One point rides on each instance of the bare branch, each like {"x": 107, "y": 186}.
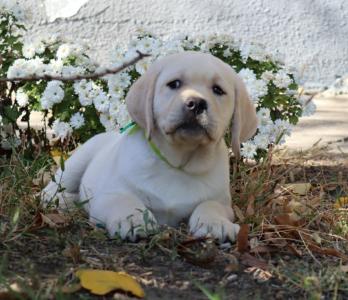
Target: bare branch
{"x": 102, "y": 73}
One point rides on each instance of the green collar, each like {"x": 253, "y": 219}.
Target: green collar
{"x": 133, "y": 128}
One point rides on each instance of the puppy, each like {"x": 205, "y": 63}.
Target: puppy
{"x": 175, "y": 165}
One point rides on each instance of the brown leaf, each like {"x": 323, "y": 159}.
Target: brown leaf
{"x": 242, "y": 238}
{"x": 286, "y": 219}
{"x": 73, "y": 252}
{"x": 232, "y": 268}
{"x": 344, "y": 268}
{"x": 327, "y": 251}
{"x": 250, "y": 211}
{"x": 262, "y": 249}
{"x": 238, "y": 213}
{"x": 259, "y": 274}
{"x": 298, "y": 188}
{"x": 198, "y": 251}
{"x": 54, "y": 220}
{"x": 294, "y": 250}
{"x": 251, "y": 261}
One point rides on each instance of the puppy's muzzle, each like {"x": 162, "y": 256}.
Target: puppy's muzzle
{"x": 194, "y": 118}
{"x": 195, "y": 106}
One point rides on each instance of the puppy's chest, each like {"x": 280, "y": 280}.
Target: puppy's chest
{"x": 172, "y": 195}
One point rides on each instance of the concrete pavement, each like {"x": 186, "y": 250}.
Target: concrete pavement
{"x": 328, "y": 124}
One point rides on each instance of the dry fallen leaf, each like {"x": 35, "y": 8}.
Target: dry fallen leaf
{"x": 54, "y": 220}
{"x": 344, "y": 268}
{"x": 238, "y": 213}
{"x": 251, "y": 261}
{"x": 250, "y": 211}
{"x": 298, "y": 188}
{"x": 101, "y": 282}
{"x": 198, "y": 251}
{"x": 327, "y": 251}
{"x": 57, "y": 156}
{"x": 73, "y": 252}
{"x": 259, "y": 274}
{"x": 242, "y": 238}
{"x": 341, "y": 202}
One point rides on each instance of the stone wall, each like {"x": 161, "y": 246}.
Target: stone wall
{"x": 311, "y": 34}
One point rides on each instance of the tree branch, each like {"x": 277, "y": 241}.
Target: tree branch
{"x": 102, "y": 73}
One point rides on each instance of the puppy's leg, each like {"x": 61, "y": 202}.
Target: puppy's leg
{"x": 65, "y": 186}
{"x": 213, "y": 218}
{"x": 122, "y": 214}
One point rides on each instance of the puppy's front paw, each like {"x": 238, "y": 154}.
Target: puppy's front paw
{"x": 134, "y": 226}
{"x": 218, "y": 228}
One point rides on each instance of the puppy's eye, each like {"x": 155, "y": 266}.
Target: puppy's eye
{"x": 218, "y": 90}
{"x": 175, "y": 84}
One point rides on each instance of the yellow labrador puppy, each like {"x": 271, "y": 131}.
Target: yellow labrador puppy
{"x": 176, "y": 165}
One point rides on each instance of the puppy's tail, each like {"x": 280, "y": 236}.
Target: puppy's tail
{"x": 66, "y": 183}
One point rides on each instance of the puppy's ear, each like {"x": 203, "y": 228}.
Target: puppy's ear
{"x": 140, "y": 98}
{"x": 244, "y": 119}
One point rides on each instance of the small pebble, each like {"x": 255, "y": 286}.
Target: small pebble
{"x": 232, "y": 277}
{"x": 225, "y": 246}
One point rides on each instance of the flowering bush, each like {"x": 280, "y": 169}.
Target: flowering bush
{"x": 78, "y": 110}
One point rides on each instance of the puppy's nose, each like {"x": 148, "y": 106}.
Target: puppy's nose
{"x": 196, "y": 105}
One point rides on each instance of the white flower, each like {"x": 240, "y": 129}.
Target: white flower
{"x": 102, "y": 102}
{"x": 254, "y": 51}
{"x": 61, "y": 129}
{"x": 64, "y": 51}
{"x": 22, "y": 98}
{"x": 261, "y": 140}
{"x": 256, "y": 88}
{"x": 86, "y": 91}
{"x": 247, "y": 75}
{"x": 72, "y": 70}
{"x": 77, "y": 120}
{"x": 53, "y": 94}
{"x": 171, "y": 47}
{"x": 264, "y": 115}
{"x": 119, "y": 112}
{"x": 117, "y": 57}
{"x": 35, "y": 66}
{"x": 267, "y": 76}
{"x": 39, "y": 47}
{"x": 148, "y": 45}
{"x": 108, "y": 122}
{"x": 28, "y": 50}
{"x": 282, "y": 79}
{"x": 55, "y": 67}
{"x": 115, "y": 87}
{"x": 227, "y": 52}
{"x": 279, "y": 131}
{"x": 18, "y": 69}
{"x": 248, "y": 150}
{"x": 142, "y": 66}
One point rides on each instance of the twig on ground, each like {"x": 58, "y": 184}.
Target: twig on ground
{"x": 94, "y": 75}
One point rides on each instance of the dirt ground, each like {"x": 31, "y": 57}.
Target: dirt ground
{"x": 169, "y": 265}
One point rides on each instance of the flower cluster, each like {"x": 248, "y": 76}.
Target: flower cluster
{"x": 83, "y": 108}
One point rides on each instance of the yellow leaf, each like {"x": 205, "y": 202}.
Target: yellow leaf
{"x": 341, "y": 202}
{"x": 57, "y": 154}
{"x": 101, "y": 282}
{"x": 298, "y": 188}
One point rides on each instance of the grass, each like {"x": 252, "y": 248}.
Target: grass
{"x": 302, "y": 238}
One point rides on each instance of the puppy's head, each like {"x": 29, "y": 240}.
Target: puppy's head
{"x": 190, "y": 99}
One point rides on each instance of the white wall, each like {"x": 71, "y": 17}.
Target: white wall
{"x": 311, "y": 34}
